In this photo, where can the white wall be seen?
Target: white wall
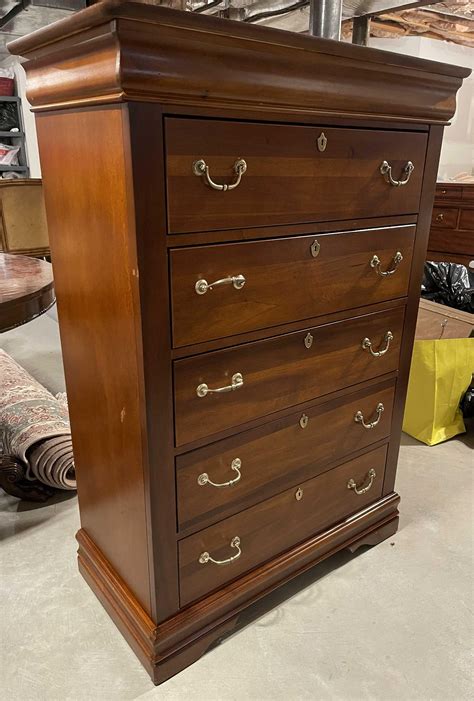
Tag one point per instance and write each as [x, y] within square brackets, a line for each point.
[29, 123]
[457, 154]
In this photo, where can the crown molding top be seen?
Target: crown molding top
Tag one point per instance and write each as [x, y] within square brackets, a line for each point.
[118, 50]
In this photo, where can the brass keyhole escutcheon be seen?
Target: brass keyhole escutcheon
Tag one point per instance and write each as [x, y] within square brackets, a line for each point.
[299, 494]
[308, 340]
[304, 421]
[315, 248]
[322, 142]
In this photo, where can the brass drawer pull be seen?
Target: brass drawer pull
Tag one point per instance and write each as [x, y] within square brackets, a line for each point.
[367, 345]
[201, 168]
[386, 170]
[352, 484]
[359, 417]
[236, 382]
[202, 286]
[234, 543]
[375, 263]
[440, 217]
[235, 465]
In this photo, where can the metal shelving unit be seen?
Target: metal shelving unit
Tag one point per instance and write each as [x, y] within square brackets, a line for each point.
[15, 138]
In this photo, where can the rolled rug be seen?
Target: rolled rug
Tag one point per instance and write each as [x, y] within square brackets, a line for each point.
[34, 427]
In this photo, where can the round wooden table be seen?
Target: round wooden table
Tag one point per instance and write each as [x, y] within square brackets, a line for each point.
[26, 289]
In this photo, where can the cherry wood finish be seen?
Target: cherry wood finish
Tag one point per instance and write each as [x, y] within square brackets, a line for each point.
[166, 649]
[444, 217]
[288, 179]
[279, 453]
[98, 299]
[281, 372]
[284, 281]
[419, 254]
[26, 289]
[115, 308]
[452, 225]
[281, 231]
[276, 524]
[200, 62]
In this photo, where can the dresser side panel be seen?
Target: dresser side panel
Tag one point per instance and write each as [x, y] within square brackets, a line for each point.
[90, 215]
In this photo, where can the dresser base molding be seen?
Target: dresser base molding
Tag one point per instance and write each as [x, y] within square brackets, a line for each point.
[167, 648]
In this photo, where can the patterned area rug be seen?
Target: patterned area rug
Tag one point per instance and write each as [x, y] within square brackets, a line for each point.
[34, 426]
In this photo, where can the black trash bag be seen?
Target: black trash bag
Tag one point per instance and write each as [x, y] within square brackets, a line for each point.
[8, 116]
[451, 284]
[467, 402]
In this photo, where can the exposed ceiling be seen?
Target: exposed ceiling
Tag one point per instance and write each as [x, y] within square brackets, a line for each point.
[20, 17]
[451, 20]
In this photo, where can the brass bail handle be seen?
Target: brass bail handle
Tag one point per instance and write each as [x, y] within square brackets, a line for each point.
[386, 170]
[235, 465]
[352, 484]
[237, 282]
[205, 557]
[201, 169]
[237, 381]
[367, 345]
[375, 263]
[359, 417]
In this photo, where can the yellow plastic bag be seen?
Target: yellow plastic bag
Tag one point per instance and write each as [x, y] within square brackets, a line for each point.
[440, 374]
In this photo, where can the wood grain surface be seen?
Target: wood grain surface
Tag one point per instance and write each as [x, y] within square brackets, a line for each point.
[283, 281]
[141, 229]
[276, 524]
[280, 373]
[277, 454]
[26, 289]
[192, 59]
[288, 180]
[95, 270]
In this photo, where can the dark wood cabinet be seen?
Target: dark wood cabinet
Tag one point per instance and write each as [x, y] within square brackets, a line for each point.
[452, 225]
[247, 212]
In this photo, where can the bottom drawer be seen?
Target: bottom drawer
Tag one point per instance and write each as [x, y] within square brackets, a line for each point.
[220, 553]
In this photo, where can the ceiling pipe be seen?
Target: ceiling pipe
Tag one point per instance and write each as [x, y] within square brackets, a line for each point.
[285, 8]
[361, 30]
[325, 18]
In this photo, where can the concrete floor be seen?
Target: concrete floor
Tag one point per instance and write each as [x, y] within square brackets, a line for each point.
[391, 622]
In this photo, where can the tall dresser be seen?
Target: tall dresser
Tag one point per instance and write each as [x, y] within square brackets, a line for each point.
[238, 220]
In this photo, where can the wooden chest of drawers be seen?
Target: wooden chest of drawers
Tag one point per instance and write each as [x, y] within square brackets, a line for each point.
[452, 225]
[238, 221]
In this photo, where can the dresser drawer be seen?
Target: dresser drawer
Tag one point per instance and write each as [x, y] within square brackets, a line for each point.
[275, 525]
[287, 178]
[466, 222]
[271, 282]
[444, 217]
[280, 372]
[458, 241]
[227, 476]
[448, 192]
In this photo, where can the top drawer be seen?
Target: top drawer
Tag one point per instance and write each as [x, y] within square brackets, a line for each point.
[448, 192]
[293, 174]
